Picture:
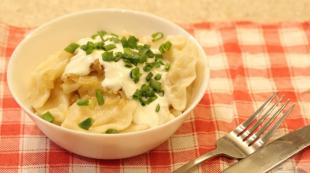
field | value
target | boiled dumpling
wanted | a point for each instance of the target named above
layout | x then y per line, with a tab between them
182	73
44	76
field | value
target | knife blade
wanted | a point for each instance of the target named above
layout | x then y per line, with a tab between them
273	153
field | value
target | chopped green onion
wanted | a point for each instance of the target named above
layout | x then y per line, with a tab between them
157	108
142	59
99	45
128	65
147	90
101	34
155	85
132	42
157	36
161	92
117	56
148	67
130	56
48	117
135	74
86	123
99	97
94	36
137	95
144	50
167	67
149	76
114	35
165	47
107	56
158	56
89	47
124	42
82	102
149	53
157	64
114	39
145	95
157	77
109	47
72	47
148	100
111	131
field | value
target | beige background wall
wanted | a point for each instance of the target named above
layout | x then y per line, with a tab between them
35	12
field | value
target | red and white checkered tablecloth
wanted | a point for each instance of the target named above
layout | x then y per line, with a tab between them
248	62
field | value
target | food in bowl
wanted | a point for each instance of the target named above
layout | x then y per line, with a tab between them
110	83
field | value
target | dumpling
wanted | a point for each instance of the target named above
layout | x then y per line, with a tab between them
85	85
116	113
181	75
44	76
57	105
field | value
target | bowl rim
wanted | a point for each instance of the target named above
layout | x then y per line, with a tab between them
189	109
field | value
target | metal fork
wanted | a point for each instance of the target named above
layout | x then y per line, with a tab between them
249	135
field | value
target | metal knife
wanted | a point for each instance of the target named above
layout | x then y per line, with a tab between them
273	153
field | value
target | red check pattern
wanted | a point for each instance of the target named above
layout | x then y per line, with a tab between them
248	62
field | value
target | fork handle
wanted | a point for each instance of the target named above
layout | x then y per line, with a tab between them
189	165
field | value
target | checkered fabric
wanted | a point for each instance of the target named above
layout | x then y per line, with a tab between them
248	62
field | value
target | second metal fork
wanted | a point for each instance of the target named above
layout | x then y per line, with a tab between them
248	136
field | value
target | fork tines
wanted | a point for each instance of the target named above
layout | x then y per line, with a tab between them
259	127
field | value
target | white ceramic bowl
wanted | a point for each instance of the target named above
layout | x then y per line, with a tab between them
54	36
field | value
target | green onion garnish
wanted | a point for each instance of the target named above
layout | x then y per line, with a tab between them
89	47
101	34
165	47
111	131
161	92
107	56
48	117
72	47
158	56
157	77
157	108
135	74
114	39
145	94
86	123
124	42
99	97
94	36
149	76
128	65
155	85
157	36
132	42
114	35
148	67
109	47
167	67
144	50
130	56
99	45
117	56
82	102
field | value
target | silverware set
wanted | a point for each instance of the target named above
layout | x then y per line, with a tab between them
250	137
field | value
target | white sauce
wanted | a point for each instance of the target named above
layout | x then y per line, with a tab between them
116	76
147	114
156	51
79	64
